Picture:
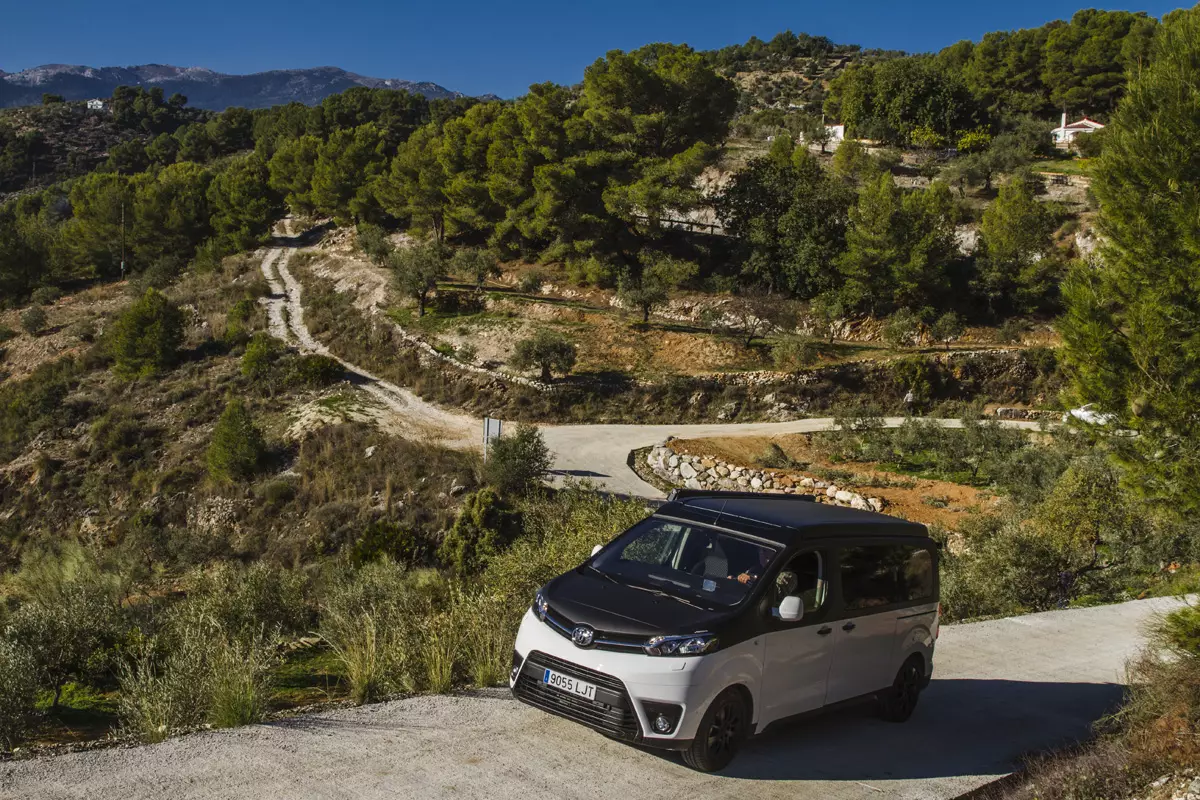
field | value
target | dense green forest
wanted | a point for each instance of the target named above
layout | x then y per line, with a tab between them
587	174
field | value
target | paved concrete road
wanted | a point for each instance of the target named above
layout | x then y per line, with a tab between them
601	452
1001	689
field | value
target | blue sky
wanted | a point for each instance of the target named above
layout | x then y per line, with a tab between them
474	46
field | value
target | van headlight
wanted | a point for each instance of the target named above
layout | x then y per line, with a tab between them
540	605
694	644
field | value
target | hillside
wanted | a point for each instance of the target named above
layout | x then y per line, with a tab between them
204	88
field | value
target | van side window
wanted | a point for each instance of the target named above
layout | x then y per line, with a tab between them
879	575
804	576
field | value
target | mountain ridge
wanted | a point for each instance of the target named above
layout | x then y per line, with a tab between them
204	87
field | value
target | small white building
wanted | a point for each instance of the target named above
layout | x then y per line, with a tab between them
95	105
1065	135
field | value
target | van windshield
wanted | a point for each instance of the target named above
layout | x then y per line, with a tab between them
695	564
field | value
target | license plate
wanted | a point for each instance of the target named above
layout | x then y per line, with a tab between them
568	684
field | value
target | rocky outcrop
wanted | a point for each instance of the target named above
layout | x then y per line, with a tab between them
706	472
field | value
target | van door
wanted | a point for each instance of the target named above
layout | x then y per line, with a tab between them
870	582
797	655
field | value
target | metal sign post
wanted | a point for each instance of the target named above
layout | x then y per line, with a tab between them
491	430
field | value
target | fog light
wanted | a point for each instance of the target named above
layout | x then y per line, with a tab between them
662	724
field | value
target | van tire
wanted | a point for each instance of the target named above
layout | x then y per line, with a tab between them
722	730
897	703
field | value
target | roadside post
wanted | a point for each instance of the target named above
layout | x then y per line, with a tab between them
491	430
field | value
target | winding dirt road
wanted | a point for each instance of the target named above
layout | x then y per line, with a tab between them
599	453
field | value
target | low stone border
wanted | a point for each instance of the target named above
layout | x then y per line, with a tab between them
706	472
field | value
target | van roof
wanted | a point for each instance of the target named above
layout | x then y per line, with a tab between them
782	518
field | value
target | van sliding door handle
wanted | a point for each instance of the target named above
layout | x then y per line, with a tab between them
849	626
825	631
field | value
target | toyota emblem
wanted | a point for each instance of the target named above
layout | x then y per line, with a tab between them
582	636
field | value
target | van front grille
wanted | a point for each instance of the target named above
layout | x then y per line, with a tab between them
611	712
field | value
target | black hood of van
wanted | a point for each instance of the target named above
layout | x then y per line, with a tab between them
583	597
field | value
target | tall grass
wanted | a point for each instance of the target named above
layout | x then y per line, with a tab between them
240	680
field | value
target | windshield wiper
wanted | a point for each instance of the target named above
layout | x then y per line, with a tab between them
603	574
661	593
665	579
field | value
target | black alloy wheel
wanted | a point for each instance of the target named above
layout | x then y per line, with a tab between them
898	703
720	734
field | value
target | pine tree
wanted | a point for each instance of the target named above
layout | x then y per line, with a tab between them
1131	329
237	449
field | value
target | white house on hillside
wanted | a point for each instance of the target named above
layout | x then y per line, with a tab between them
1064	135
95	105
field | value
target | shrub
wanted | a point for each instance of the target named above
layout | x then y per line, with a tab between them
796	352
240	680
487	638
365	621
261	354
6	334
947	328
45	295
146	338
120	437
238	318
315	371
559	534
237	449
387	540
902	329
373	241
33	320
531	282
466	353
475	265
441	642
18	692
547	351
516	464
69	620
483	528
84	330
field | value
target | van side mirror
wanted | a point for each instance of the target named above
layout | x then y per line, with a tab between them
597	549
791	609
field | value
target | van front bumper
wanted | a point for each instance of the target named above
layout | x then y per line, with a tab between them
630	687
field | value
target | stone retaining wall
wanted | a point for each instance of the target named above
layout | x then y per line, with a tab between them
706	472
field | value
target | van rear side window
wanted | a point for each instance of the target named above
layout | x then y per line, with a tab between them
879	575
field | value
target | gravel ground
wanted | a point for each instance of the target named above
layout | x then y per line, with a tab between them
1001	689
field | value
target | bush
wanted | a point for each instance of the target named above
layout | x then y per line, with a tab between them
796	352
902	329
314	371
386	540
33	320
69	619
261	354
237	449
531	282
517	464
146	338
238	318
373	241
367	620
483	528
240	680
45	295
6	334
559	534
488	639
84	330
548	351
18	692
